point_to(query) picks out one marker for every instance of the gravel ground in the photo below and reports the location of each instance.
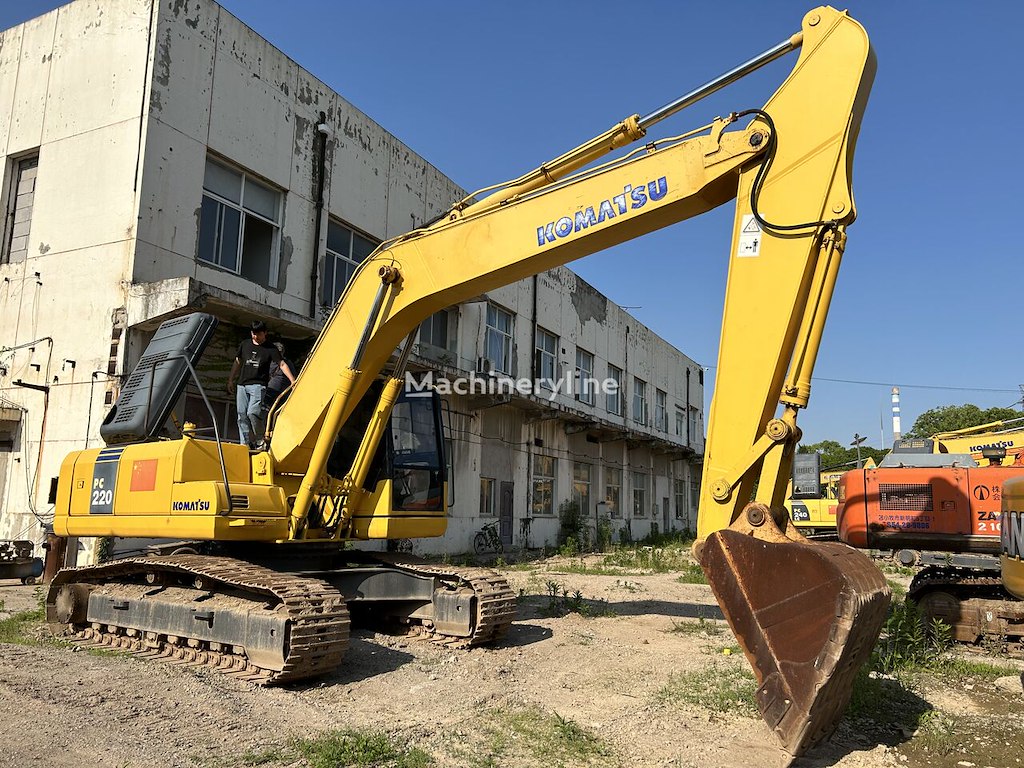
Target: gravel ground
(611, 686)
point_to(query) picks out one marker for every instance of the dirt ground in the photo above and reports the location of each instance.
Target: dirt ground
(609, 686)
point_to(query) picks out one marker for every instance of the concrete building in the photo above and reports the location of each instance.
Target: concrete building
(161, 157)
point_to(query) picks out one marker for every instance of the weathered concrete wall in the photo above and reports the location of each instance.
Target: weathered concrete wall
(219, 85)
(71, 89)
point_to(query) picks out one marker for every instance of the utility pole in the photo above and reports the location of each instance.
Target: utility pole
(857, 440)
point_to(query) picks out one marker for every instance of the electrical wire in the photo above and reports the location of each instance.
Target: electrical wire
(900, 385)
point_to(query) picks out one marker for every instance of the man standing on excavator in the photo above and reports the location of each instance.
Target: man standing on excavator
(252, 371)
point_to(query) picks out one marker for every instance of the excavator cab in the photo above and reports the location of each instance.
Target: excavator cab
(415, 440)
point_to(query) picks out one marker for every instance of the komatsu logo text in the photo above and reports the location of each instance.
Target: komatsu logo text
(190, 506)
(631, 198)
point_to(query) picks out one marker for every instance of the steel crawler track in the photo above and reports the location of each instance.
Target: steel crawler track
(316, 613)
(495, 600)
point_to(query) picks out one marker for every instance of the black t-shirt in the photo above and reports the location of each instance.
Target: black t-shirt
(256, 360)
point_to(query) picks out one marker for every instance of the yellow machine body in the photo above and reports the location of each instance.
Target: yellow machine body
(163, 490)
(1012, 537)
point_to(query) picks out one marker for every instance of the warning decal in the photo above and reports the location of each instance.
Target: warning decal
(750, 237)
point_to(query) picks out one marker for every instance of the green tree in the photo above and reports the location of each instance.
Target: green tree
(835, 455)
(948, 418)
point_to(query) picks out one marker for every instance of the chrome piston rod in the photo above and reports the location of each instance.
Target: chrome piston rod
(721, 81)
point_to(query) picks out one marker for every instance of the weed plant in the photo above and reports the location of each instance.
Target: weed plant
(342, 749)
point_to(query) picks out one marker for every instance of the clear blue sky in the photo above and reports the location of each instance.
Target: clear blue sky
(929, 296)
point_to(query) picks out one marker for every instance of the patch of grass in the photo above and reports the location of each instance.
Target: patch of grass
(717, 687)
(938, 733)
(674, 557)
(342, 749)
(891, 566)
(956, 669)
(692, 574)
(908, 643)
(22, 628)
(547, 737)
(899, 592)
(699, 627)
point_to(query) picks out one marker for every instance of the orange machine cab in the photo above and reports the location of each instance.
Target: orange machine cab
(951, 509)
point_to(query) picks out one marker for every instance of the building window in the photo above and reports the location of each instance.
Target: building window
(661, 410)
(584, 376)
(487, 497)
(613, 491)
(439, 330)
(346, 250)
(680, 422)
(639, 401)
(545, 354)
(543, 501)
(639, 494)
(680, 494)
(20, 202)
(694, 493)
(613, 398)
(694, 432)
(239, 224)
(581, 487)
(498, 341)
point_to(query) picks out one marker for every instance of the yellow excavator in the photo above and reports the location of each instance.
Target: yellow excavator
(353, 457)
(975, 441)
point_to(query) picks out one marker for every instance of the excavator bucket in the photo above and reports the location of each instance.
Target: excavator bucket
(806, 615)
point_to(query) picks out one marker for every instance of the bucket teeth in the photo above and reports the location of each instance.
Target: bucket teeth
(807, 616)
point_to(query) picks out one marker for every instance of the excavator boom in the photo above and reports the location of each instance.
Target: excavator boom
(806, 615)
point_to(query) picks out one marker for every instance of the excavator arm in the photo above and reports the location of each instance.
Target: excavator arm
(790, 169)
(806, 615)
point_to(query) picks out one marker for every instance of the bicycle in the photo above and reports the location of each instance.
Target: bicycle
(488, 540)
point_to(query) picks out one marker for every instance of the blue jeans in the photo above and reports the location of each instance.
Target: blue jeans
(249, 402)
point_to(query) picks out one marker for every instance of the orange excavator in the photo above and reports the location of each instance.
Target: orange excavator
(943, 511)
(352, 457)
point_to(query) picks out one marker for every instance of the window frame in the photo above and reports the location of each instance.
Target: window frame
(488, 506)
(450, 325)
(639, 488)
(614, 506)
(541, 355)
(661, 410)
(584, 391)
(13, 183)
(245, 178)
(506, 365)
(679, 491)
(639, 401)
(577, 495)
(614, 372)
(540, 479)
(342, 259)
